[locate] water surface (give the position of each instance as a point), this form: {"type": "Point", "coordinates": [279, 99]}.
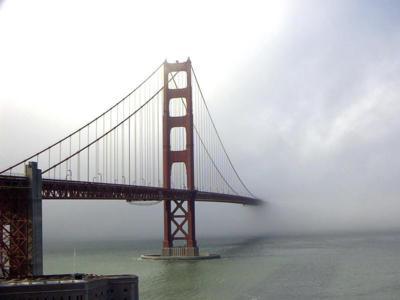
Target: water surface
{"type": "Point", "coordinates": [351, 266]}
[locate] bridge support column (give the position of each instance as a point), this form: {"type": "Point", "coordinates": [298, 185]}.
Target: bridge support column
{"type": "Point", "coordinates": [179, 214]}
{"type": "Point", "coordinates": [35, 216]}
{"type": "Point", "coordinates": [21, 227]}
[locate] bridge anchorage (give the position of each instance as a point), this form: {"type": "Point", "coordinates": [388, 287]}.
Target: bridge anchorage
{"type": "Point", "coordinates": [159, 143]}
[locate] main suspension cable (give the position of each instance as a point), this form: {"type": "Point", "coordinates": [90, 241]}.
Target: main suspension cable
{"type": "Point", "coordinates": [87, 124]}
{"type": "Point", "coordinates": [219, 138]}
{"type": "Point", "coordinates": [205, 148]}
{"type": "Point", "coordinates": [109, 131]}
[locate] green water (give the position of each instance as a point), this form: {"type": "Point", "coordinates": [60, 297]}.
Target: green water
{"type": "Point", "coordinates": [358, 266]}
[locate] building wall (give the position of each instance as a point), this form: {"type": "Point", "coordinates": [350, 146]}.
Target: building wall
{"type": "Point", "coordinates": [99, 287]}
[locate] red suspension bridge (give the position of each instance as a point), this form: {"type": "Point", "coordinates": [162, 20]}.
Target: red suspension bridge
{"type": "Point", "coordinates": [159, 143]}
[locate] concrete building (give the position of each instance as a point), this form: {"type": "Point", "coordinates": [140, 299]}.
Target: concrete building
{"type": "Point", "coordinates": [71, 287]}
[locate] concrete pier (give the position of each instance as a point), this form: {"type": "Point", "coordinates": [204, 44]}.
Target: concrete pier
{"type": "Point", "coordinates": [201, 256]}
{"type": "Point", "coordinates": [180, 251]}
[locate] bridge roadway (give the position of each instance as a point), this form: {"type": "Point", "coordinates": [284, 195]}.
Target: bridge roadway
{"type": "Point", "coordinates": [53, 189]}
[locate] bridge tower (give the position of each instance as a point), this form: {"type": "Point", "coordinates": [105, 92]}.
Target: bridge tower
{"type": "Point", "coordinates": [179, 215]}
{"type": "Point", "coordinates": [21, 251]}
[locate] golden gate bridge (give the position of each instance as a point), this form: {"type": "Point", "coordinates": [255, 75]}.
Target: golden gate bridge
{"type": "Point", "coordinates": [158, 143]}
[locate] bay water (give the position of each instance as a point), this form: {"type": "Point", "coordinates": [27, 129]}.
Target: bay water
{"type": "Point", "coordinates": [329, 266]}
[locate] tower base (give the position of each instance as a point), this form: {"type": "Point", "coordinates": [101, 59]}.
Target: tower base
{"type": "Point", "coordinates": [180, 251]}
{"type": "Point", "coordinates": [201, 256]}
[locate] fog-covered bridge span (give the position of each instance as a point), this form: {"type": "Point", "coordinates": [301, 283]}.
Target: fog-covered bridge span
{"type": "Point", "coordinates": [159, 143]}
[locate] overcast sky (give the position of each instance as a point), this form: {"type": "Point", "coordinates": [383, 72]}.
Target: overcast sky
{"type": "Point", "coordinates": [314, 87]}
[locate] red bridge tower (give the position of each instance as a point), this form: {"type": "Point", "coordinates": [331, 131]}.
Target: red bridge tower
{"type": "Point", "coordinates": [179, 215]}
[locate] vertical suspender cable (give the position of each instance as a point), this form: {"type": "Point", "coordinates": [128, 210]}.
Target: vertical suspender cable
{"type": "Point", "coordinates": [88, 155]}
{"type": "Point", "coordinates": [129, 145]}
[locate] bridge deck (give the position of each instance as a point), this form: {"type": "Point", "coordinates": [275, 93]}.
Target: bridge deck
{"type": "Point", "coordinates": [53, 189]}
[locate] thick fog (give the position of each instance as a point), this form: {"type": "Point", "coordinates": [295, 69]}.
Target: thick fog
{"type": "Point", "coordinates": [306, 96]}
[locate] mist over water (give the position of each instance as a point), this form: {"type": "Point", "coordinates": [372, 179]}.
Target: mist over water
{"type": "Point", "coordinates": [321, 105]}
